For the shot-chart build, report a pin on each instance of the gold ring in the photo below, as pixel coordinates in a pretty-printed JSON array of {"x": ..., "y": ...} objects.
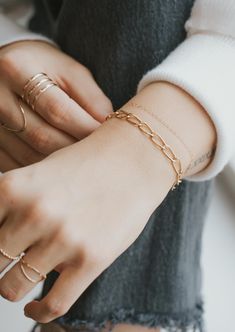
[
  {"x": 47, "y": 79},
  {"x": 23, "y": 263},
  {"x": 12, "y": 258},
  {"x": 33, "y": 78},
  {"x": 35, "y": 86},
  {"x": 41, "y": 91},
  {"x": 24, "y": 121}
]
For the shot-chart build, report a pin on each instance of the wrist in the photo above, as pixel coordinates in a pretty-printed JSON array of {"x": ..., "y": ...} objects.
[
  {"x": 185, "y": 123},
  {"x": 120, "y": 157},
  {"x": 140, "y": 155}
]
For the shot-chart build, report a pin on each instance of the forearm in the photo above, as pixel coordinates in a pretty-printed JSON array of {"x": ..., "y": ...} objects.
[{"x": 123, "y": 148}]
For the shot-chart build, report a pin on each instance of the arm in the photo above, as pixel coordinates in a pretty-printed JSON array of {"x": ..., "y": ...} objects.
[
  {"x": 204, "y": 67},
  {"x": 180, "y": 120},
  {"x": 62, "y": 116},
  {"x": 117, "y": 172}
]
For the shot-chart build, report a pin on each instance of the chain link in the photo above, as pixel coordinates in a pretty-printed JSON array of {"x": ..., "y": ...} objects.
[
  {"x": 157, "y": 140},
  {"x": 163, "y": 122}
]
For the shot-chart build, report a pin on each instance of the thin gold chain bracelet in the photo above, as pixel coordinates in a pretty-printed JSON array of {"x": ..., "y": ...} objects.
[
  {"x": 163, "y": 122},
  {"x": 155, "y": 138}
]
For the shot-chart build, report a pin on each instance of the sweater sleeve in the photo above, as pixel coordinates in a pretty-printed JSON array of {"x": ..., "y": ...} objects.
[
  {"x": 204, "y": 66},
  {"x": 10, "y": 28}
]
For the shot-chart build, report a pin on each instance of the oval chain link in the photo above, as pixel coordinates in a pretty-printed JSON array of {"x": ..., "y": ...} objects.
[{"x": 157, "y": 140}]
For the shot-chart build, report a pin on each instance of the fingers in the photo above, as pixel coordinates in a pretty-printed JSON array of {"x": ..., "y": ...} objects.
[
  {"x": 58, "y": 109},
  {"x": 71, "y": 283},
  {"x": 11, "y": 239},
  {"x": 41, "y": 136},
  {"x": 54, "y": 105},
  {"x": 16, "y": 283},
  {"x": 43, "y": 251},
  {"x": 38, "y": 134},
  {"x": 18, "y": 151},
  {"x": 82, "y": 87},
  {"x": 7, "y": 163}
]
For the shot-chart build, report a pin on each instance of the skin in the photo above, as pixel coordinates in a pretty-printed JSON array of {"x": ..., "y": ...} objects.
[
  {"x": 44, "y": 204},
  {"x": 63, "y": 116}
]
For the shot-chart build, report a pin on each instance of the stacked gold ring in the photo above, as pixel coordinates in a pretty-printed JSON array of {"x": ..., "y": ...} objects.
[
  {"x": 32, "y": 90},
  {"x": 35, "y": 87}
]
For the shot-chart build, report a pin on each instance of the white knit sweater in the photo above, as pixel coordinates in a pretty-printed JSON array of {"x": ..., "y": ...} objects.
[{"x": 203, "y": 65}]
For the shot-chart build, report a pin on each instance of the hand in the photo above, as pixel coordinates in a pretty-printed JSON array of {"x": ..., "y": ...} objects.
[
  {"x": 59, "y": 120},
  {"x": 92, "y": 199}
]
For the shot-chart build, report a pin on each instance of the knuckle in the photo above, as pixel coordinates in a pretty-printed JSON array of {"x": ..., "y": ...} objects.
[
  {"x": 36, "y": 214},
  {"x": 40, "y": 215},
  {"x": 63, "y": 238},
  {"x": 96, "y": 258},
  {"x": 57, "y": 111},
  {"x": 55, "y": 308},
  {"x": 8, "y": 64},
  {"x": 40, "y": 140}
]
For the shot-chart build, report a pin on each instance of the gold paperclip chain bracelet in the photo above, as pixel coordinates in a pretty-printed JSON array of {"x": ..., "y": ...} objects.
[{"x": 155, "y": 138}]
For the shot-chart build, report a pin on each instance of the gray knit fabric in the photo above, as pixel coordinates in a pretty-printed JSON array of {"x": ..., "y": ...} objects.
[{"x": 157, "y": 280}]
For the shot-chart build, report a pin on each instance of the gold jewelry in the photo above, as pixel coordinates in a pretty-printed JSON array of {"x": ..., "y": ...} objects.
[
  {"x": 155, "y": 138},
  {"x": 12, "y": 258},
  {"x": 33, "y": 78},
  {"x": 41, "y": 91},
  {"x": 23, "y": 263},
  {"x": 24, "y": 121},
  {"x": 135, "y": 105},
  {"x": 35, "y": 86}
]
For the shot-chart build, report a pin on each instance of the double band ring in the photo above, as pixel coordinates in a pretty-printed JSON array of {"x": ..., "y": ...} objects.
[
  {"x": 24, "y": 264},
  {"x": 12, "y": 258},
  {"x": 35, "y": 87}
]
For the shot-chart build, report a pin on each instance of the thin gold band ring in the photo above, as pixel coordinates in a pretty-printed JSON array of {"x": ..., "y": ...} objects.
[
  {"x": 24, "y": 125},
  {"x": 23, "y": 263}
]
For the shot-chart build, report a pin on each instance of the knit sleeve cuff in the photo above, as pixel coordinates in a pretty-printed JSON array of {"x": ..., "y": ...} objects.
[
  {"x": 10, "y": 32},
  {"x": 204, "y": 66}
]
